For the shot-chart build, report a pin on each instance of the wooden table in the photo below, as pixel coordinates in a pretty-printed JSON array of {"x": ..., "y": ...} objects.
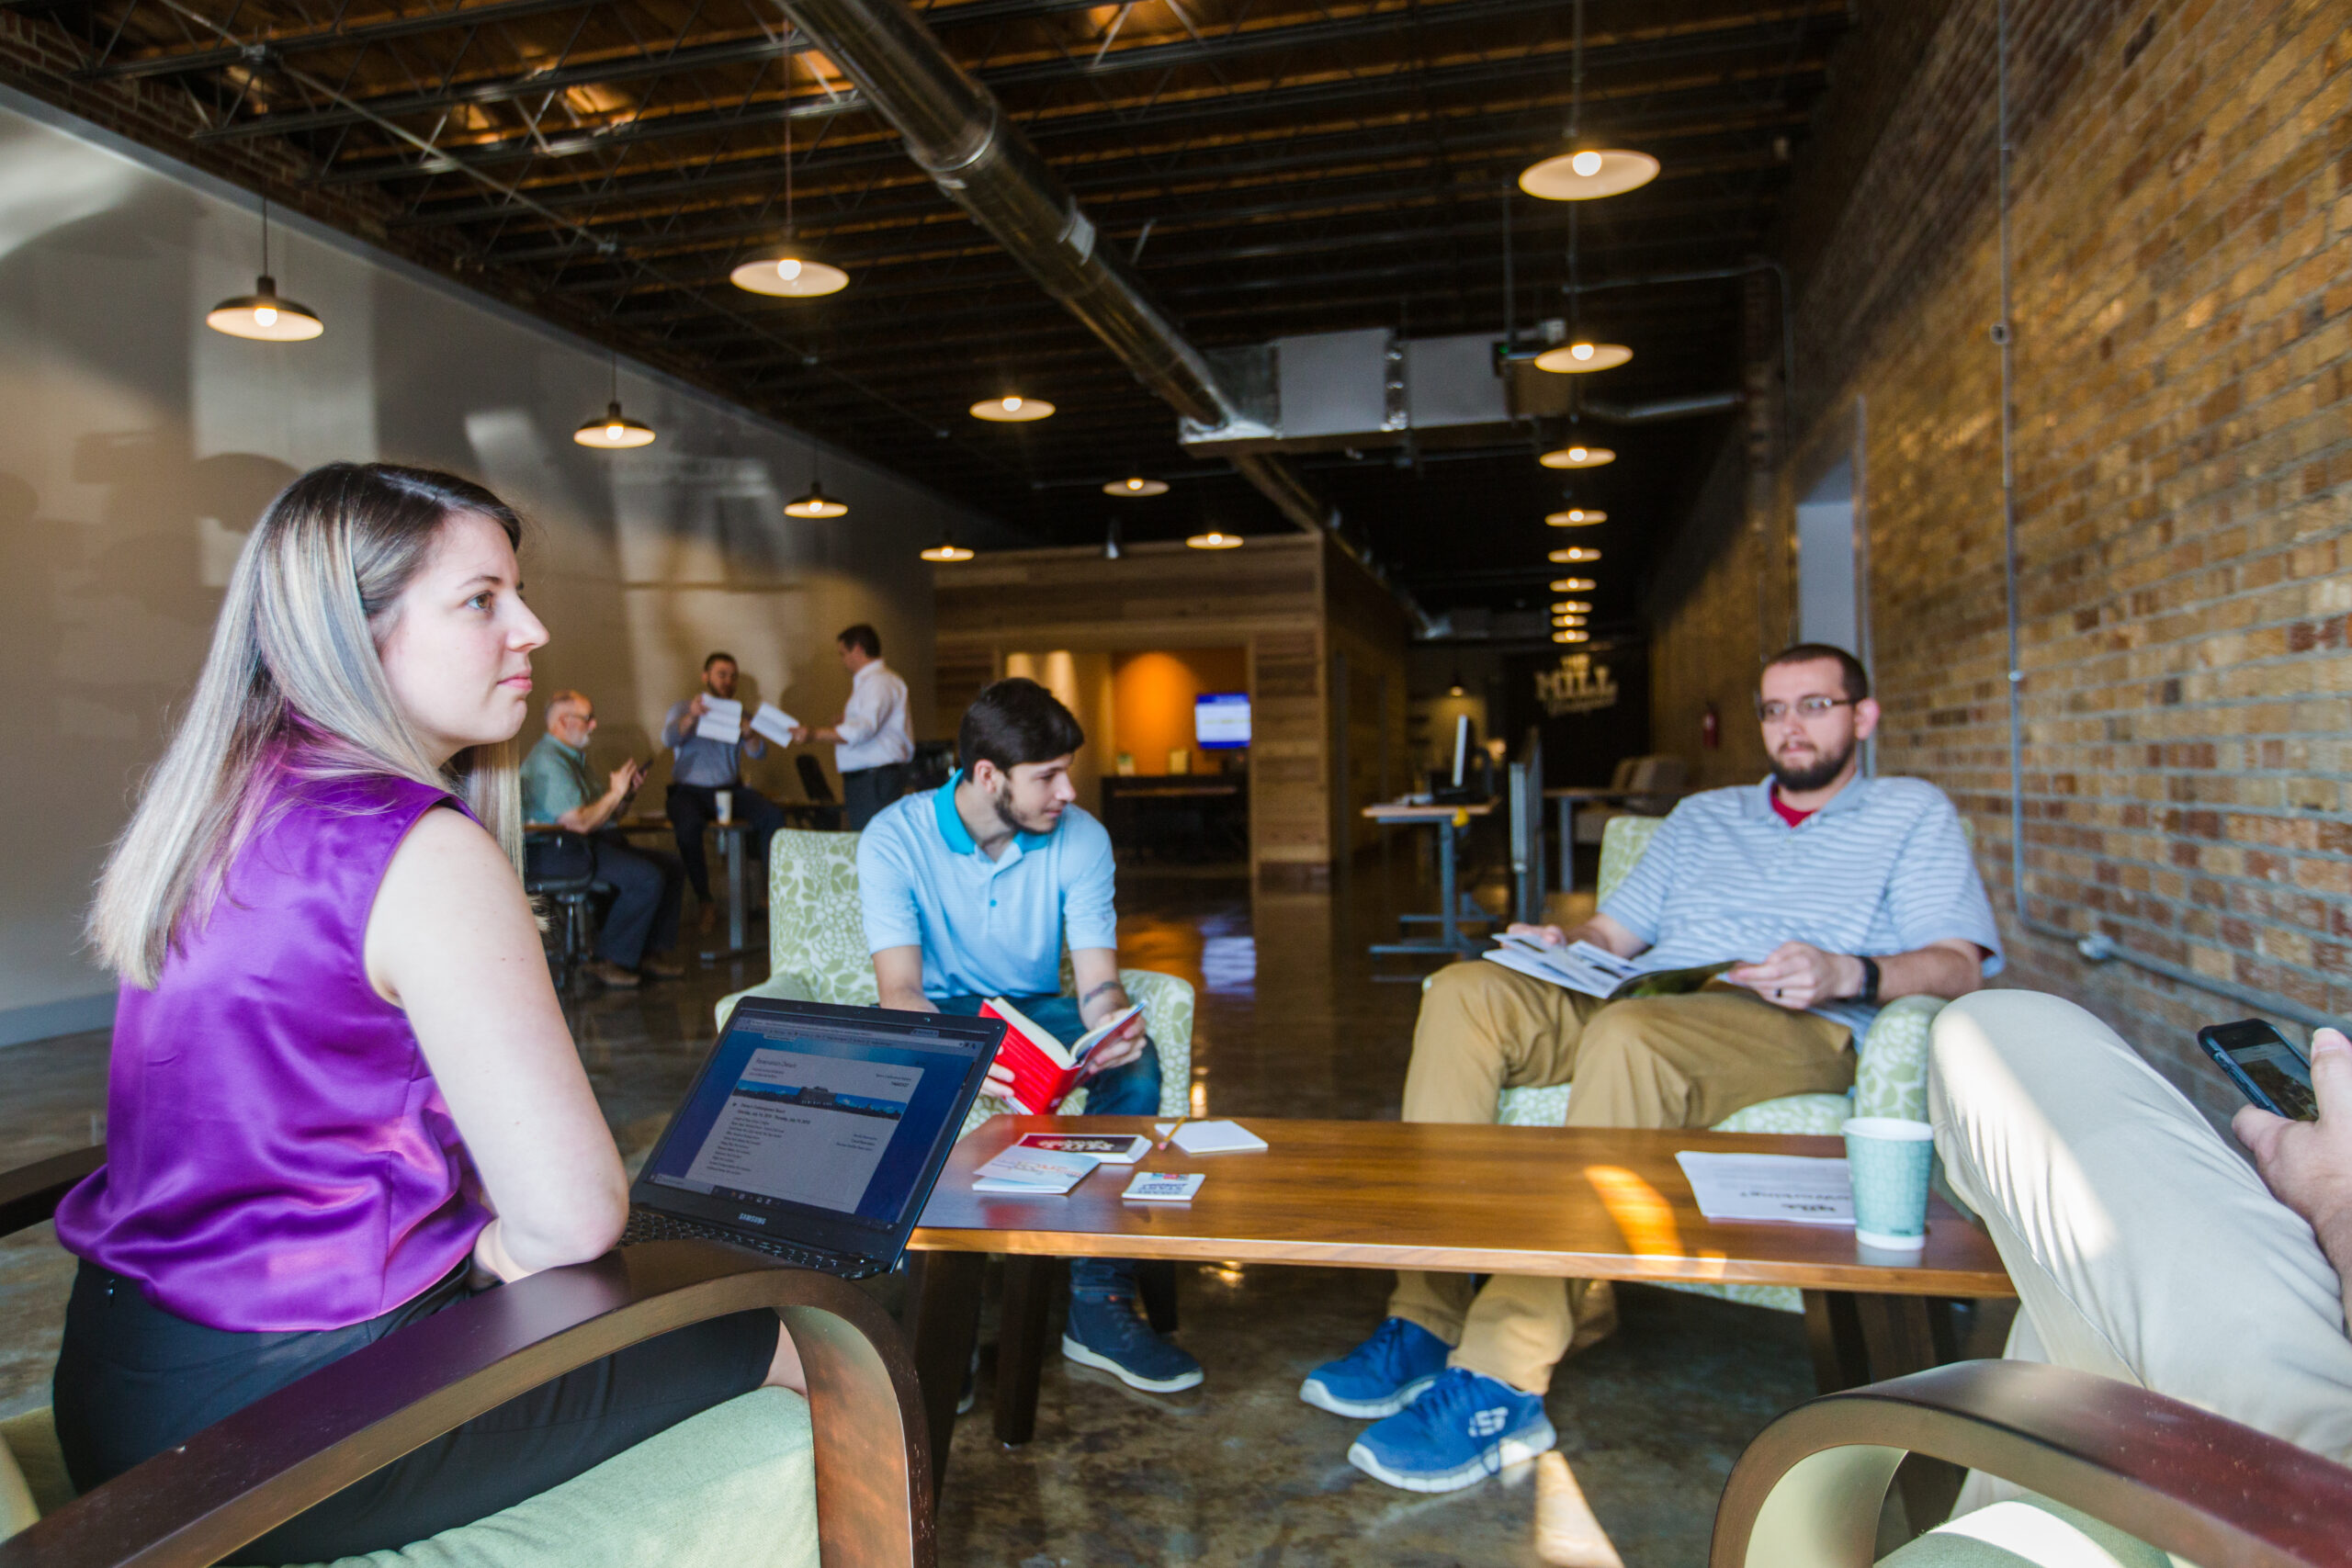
[
  {"x": 1448, "y": 820},
  {"x": 1595, "y": 1203}
]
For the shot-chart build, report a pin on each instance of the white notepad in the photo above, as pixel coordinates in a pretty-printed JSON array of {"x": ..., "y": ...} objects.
[
  {"x": 1035, "y": 1173},
  {"x": 1217, "y": 1138}
]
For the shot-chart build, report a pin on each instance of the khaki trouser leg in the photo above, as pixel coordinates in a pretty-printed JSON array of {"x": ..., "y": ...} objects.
[{"x": 1665, "y": 1061}]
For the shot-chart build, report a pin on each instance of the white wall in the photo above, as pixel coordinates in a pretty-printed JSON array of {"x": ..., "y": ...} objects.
[{"x": 136, "y": 447}]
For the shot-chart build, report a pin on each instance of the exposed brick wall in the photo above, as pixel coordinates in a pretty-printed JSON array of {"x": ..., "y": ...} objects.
[{"x": 2183, "y": 309}]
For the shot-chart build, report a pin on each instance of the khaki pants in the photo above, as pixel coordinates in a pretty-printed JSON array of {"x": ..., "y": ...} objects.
[{"x": 1658, "y": 1062}]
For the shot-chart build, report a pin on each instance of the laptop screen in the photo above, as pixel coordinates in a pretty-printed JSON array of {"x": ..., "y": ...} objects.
[{"x": 821, "y": 1113}]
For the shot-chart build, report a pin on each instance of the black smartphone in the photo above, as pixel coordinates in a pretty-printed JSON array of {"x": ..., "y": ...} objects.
[{"x": 2269, "y": 1069}]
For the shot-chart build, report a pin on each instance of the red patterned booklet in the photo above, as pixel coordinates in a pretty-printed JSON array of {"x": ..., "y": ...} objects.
[{"x": 1043, "y": 1069}]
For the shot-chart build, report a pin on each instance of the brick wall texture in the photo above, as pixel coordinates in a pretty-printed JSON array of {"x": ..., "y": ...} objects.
[{"x": 2182, "y": 286}]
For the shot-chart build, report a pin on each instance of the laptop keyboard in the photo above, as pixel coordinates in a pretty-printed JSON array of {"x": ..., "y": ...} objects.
[{"x": 644, "y": 1224}]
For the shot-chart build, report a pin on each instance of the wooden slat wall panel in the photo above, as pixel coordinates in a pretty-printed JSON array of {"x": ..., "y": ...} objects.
[
  {"x": 1365, "y": 625},
  {"x": 1289, "y": 815},
  {"x": 1154, "y": 596},
  {"x": 959, "y": 673}
]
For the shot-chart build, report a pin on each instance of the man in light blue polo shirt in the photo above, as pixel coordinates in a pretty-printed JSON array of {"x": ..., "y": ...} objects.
[
  {"x": 1832, "y": 893},
  {"x": 970, "y": 891}
]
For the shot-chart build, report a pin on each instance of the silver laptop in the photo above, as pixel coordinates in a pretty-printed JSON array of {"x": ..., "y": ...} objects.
[{"x": 814, "y": 1134}]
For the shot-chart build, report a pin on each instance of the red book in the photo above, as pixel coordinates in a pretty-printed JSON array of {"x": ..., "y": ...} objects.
[{"x": 1043, "y": 1069}]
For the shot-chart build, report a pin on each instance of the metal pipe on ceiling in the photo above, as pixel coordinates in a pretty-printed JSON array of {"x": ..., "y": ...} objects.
[{"x": 958, "y": 133}]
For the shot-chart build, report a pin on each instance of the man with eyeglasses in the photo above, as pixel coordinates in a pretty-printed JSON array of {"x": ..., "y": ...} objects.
[{"x": 1833, "y": 892}]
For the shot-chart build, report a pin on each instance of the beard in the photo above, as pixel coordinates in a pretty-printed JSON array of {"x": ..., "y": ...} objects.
[
  {"x": 1011, "y": 815},
  {"x": 1803, "y": 780}
]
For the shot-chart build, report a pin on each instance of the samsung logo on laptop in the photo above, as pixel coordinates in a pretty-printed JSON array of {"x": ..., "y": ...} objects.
[{"x": 752, "y": 1219}]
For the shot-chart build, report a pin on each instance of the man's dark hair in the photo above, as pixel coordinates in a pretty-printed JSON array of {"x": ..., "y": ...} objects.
[
  {"x": 1849, "y": 668},
  {"x": 861, "y": 636},
  {"x": 716, "y": 658},
  {"x": 1015, "y": 721}
]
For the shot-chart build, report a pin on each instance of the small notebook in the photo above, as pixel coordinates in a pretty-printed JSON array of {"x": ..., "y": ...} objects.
[
  {"x": 1159, "y": 1187},
  {"x": 1114, "y": 1149},
  {"x": 1217, "y": 1138},
  {"x": 1036, "y": 1173}
]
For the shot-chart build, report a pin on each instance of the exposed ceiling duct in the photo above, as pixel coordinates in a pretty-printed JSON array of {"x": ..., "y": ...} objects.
[{"x": 957, "y": 133}]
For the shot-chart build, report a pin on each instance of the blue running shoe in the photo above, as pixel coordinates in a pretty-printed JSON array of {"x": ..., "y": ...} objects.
[
  {"x": 1109, "y": 1334},
  {"x": 1379, "y": 1377},
  {"x": 1462, "y": 1429}
]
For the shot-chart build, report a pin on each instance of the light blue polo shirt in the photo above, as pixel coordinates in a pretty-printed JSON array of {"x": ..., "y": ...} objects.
[
  {"x": 1882, "y": 867},
  {"x": 987, "y": 928}
]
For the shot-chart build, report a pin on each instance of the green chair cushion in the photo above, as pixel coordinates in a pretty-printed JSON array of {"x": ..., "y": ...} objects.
[
  {"x": 733, "y": 1488},
  {"x": 2031, "y": 1532}
]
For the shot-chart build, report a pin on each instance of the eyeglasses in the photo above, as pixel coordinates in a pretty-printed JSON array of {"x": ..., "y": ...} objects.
[{"x": 1806, "y": 707}]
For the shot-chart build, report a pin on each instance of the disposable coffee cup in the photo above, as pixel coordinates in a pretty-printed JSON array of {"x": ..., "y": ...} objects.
[
  {"x": 725, "y": 801},
  {"x": 1888, "y": 1160}
]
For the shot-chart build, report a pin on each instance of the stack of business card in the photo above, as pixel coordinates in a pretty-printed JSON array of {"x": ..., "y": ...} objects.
[
  {"x": 1034, "y": 1173},
  {"x": 1115, "y": 1149},
  {"x": 1158, "y": 1187}
]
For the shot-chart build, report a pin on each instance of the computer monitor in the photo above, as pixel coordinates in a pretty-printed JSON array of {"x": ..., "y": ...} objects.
[{"x": 1221, "y": 721}]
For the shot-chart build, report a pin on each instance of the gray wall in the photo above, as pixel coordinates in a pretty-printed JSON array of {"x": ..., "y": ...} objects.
[{"x": 136, "y": 447}]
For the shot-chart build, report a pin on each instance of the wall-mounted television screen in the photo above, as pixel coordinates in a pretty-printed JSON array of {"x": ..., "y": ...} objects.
[{"x": 1221, "y": 720}]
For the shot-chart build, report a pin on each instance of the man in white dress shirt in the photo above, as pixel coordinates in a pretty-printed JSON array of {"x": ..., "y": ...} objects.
[{"x": 872, "y": 740}]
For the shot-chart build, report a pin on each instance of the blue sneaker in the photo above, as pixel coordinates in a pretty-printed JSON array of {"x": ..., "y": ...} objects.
[
  {"x": 1379, "y": 1377},
  {"x": 1109, "y": 1334},
  {"x": 1462, "y": 1429}
]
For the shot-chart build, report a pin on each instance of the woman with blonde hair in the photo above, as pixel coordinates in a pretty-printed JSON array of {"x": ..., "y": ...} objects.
[{"x": 341, "y": 1079}]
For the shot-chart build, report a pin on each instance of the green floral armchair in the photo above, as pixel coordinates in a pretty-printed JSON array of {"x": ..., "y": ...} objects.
[
  {"x": 817, "y": 953},
  {"x": 1889, "y": 1070}
]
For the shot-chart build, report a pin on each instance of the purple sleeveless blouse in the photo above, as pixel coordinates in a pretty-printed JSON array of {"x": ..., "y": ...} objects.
[{"x": 277, "y": 1155}]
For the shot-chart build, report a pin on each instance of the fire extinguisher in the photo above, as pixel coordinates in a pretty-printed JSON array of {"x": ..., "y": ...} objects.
[{"x": 1710, "y": 729}]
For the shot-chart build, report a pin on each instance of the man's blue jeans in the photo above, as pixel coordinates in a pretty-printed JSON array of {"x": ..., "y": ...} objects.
[{"x": 1131, "y": 1091}]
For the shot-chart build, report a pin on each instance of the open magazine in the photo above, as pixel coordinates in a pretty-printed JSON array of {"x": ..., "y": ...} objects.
[{"x": 1596, "y": 971}]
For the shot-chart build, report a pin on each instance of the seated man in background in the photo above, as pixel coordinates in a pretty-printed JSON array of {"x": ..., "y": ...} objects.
[
  {"x": 1836, "y": 892},
  {"x": 701, "y": 769},
  {"x": 640, "y": 930},
  {"x": 970, "y": 891},
  {"x": 2143, "y": 1247}
]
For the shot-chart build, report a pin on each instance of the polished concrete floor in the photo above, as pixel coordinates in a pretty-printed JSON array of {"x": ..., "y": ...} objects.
[{"x": 1238, "y": 1472}]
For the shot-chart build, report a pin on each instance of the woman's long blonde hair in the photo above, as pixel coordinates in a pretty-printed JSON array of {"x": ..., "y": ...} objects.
[{"x": 294, "y": 665}]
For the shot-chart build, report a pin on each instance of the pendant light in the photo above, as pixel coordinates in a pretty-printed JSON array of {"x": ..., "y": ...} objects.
[
  {"x": 1012, "y": 409},
  {"x": 1573, "y": 585},
  {"x": 616, "y": 431},
  {"x": 1137, "y": 486},
  {"x": 1571, "y": 635},
  {"x": 814, "y": 502},
  {"x": 263, "y": 314},
  {"x": 1567, "y": 620},
  {"x": 1582, "y": 356},
  {"x": 1583, "y": 174},
  {"x": 1214, "y": 540},
  {"x": 1577, "y": 457},
  {"x": 1576, "y": 517},
  {"x": 1574, "y": 554},
  {"x": 947, "y": 550},
  {"x": 788, "y": 269},
  {"x": 1572, "y": 607}
]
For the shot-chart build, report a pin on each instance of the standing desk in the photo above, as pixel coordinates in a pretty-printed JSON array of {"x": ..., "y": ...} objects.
[{"x": 1449, "y": 821}]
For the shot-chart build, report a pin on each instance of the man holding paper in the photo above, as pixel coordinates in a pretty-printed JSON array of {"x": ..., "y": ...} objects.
[
  {"x": 970, "y": 892},
  {"x": 1828, "y": 892},
  {"x": 709, "y": 739},
  {"x": 872, "y": 740}
]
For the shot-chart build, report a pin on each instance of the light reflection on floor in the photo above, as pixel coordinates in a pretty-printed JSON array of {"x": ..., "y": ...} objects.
[{"x": 1238, "y": 1472}]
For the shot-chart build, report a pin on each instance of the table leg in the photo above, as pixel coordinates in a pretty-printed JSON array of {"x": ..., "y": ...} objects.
[
  {"x": 735, "y": 891},
  {"x": 1029, "y": 1284},
  {"x": 1833, "y": 1332},
  {"x": 942, "y": 1320},
  {"x": 1450, "y": 932},
  {"x": 1568, "y": 846}
]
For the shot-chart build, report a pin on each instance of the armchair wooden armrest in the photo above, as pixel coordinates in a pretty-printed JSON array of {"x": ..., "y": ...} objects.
[
  {"x": 251, "y": 1472},
  {"x": 2222, "y": 1496}
]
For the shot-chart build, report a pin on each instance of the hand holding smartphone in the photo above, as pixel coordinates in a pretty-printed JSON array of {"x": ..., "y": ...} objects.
[{"x": 2271, "y": 1071}]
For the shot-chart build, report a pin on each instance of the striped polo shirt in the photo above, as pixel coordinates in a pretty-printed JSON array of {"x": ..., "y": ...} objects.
[{"x": 1882, "y": 868}]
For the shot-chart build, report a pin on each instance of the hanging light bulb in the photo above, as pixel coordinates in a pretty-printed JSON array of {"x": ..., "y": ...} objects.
[
  {"x": 946, "y": 549},
  {"x": 1572, "y": 607},
  {"x": 614, "y": 431},
  {"x": 1573, "y": 554},
  {"x": 1582, "y": 356},
  {"x": 1567, "y": 620},
  {"x": 1137, "y": 486},
  {"x": 1571, "y": 635},
  {"x": 1573, "y": 585},
  {"x": 789, "y": 270},
  {"x": 1214, "y": 540},
  {"x": 1576, "y": 517},
  {"x": 815, "y": 503},
  {"x": 1584, "y": 173},
  {"x": 264, "y": 314},
  {"x": 1013, "y": 409},
  {"x": 1577, "y": 457}
]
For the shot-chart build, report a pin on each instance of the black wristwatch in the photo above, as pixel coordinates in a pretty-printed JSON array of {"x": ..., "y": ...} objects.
[{"x": 1869, "y": 993}]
